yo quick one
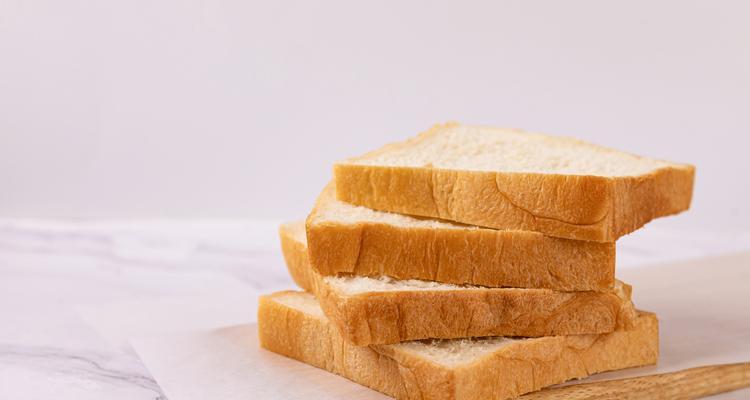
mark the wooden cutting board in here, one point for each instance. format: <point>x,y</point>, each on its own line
<point>703,307</point>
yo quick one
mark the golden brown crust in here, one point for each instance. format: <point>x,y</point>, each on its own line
<point>505,373</point>
<point>485,257</point>
<point>639,200</point>
<point>581,207</point>
<point>315,341</point>
<point>296,256</point>
<point>394,316</point>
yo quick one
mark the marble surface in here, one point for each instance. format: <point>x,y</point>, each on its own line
<point>52,271</point>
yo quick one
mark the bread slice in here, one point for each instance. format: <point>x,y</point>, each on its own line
<point>369,310</point>
<point>343,238</point>
<point>509,179</point>
<point>292,324</point>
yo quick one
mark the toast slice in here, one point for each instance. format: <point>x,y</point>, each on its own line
<point>292,324</point>
<point>510,179</point>
<point>368,310</point>
<point>348,239</point>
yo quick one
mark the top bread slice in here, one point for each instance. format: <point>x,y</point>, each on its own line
<point>293,324</point>
<point>347,239</point>
<point>510,179</point>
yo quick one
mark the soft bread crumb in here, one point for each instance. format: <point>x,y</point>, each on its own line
<point>302,301</point>
<point>296,231</point>
<point>473,148</point>
<point>330,209</point>
<point>351,285</point>
<point>455,352</point>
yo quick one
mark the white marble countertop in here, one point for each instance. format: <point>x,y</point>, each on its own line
<point>49,270</point>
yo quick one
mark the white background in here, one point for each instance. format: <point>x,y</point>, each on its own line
<point>236,108</point>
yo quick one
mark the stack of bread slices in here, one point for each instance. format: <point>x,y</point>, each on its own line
<point>472,263</point>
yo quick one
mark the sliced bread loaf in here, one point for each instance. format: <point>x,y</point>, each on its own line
<point>343,238</point>
<point>292,324</point>
<point>509,179</point>
<point>376,310</point>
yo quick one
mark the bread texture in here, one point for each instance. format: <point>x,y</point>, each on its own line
<point>510,179</point>
<point>347,239</point>
<point>381,310</point>
<point>292,324</point>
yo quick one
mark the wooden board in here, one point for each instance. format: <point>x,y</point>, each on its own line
<point>691,383</point>
<point>703,307</point>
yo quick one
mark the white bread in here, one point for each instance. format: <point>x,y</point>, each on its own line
<point>343,238</point>
<point>292,324</point>
<point>509,179</point>
<point>369,310</point>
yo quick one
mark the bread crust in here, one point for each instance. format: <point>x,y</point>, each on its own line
<point>379,317</point>
<point>507,372</point>
<point>581,207</point>
<point>295,254</point>
<point>485,257</point>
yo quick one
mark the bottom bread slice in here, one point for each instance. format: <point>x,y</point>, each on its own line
<point>370,310</point>
<point>292,324</point>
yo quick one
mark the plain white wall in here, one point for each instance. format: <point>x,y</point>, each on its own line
<point>236,108</point>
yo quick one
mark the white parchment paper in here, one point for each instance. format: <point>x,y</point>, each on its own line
<point>207,348</point>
